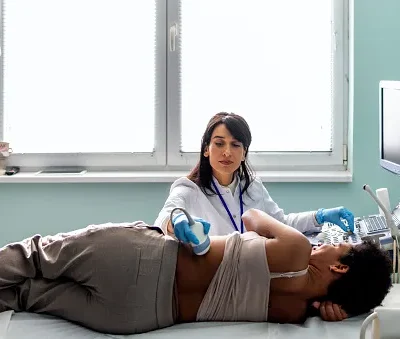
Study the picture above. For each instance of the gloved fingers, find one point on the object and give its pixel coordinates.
(349, 217)
(180, 233)
(190, 236)
(206, 226)
(350, 221)
(341, 225)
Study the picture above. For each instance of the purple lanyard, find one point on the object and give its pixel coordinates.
(227, 209)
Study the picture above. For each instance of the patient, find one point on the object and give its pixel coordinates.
(130, 278)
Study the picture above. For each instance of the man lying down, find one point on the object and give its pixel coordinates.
(130, 278)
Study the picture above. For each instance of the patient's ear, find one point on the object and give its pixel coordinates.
(340, 268)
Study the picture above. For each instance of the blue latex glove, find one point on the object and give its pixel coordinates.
(335, 216)
(182, 229)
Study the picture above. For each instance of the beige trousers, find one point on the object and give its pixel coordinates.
(112, 278)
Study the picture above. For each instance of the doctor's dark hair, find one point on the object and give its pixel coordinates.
(240, 130)
(366, 283)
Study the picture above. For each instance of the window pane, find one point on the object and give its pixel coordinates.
(270, 61)
(79, 75)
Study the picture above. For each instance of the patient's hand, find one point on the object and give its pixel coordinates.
(329, 311)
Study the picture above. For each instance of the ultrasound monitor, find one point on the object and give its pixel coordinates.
(389, 125)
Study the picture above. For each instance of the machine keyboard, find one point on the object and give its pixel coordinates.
(375, 223)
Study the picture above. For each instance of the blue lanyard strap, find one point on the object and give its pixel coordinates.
(227, 209)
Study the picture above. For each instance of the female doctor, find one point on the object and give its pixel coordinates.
(222, 186)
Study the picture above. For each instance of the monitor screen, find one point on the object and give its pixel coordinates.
(389, 111)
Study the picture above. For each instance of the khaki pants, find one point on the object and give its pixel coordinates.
(113, 278)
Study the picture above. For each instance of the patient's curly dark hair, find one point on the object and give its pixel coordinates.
(367, 281)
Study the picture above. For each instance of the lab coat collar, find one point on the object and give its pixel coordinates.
(223, 189)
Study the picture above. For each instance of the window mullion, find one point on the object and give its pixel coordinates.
(160, 126)
(173, 33)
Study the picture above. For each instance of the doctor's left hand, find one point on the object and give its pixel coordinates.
(335, 216)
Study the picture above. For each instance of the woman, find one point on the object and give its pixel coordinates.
(222, 187)
(130, 278)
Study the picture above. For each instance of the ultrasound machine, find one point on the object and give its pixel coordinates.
(385, 318)
(371, 227)
(381, 228)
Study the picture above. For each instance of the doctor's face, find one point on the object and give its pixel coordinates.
(225, 154)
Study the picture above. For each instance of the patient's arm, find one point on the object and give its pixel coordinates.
(269, 227)
(289, 309)
(286, 309)
(287, 249)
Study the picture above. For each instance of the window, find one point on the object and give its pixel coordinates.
(128, 84)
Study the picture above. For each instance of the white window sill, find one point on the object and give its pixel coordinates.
(170, 176)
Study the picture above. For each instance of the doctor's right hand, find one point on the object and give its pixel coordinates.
(182, 229)
(335, 216)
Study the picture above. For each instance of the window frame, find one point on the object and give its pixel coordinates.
(167, 154)
(125, 161)
(336, 159)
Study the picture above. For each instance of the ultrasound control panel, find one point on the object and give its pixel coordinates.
(372, 227)
(332, 234)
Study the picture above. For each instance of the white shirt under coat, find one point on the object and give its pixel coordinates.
(185, 193)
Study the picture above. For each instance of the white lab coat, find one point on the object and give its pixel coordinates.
(185, 193)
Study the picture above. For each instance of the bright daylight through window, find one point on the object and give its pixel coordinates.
(132, 83)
